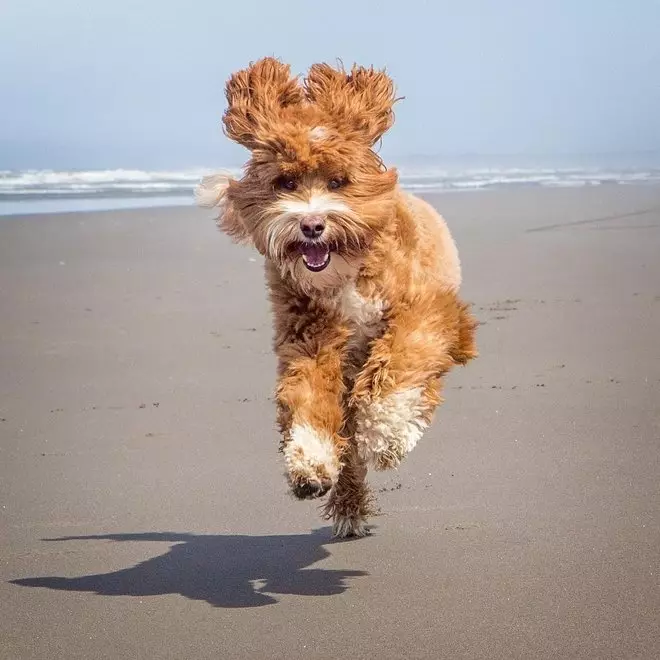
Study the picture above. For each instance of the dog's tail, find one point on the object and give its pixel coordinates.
(465, 348)
(210, 193)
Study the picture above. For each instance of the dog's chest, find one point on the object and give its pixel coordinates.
(364, 314)
(365, 318)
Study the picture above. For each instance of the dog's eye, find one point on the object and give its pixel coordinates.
(335, 183)
(286, 183)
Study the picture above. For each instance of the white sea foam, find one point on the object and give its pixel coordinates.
(432, 180)
(40, 184)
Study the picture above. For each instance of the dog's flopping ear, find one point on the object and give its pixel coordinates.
(361, 100)
(212, 193)
(255, 95)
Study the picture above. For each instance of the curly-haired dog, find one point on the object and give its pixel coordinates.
(363, 277)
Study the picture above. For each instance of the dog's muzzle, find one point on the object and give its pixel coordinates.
(315, 254)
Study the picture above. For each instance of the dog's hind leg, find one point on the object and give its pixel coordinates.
(350, 501)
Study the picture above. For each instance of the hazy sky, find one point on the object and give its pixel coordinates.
(139, 83)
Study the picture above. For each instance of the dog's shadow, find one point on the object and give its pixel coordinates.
(224, 571)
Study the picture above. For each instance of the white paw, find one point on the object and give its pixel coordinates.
(387, 429)
(311, 461)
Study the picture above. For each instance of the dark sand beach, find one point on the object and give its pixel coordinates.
(144, 512)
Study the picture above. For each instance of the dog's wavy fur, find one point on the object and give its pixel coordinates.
(363, 344)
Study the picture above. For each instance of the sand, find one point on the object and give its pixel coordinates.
(143, 509)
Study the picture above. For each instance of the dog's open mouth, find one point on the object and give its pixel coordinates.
(315, 256)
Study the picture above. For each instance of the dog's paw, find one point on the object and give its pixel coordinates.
(387, 458)
(389, 428)
(345, 527)
(309, 489)
(311, 461)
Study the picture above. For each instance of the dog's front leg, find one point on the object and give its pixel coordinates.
(398, 389)
(309, 397)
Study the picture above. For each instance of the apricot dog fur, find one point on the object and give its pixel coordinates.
(363, 277)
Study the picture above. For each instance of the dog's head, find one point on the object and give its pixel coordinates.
(314, 195)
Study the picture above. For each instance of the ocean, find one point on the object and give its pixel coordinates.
(47, 191)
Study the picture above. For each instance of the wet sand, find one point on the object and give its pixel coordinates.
(143, 509)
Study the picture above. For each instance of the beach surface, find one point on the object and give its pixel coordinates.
(143, 508)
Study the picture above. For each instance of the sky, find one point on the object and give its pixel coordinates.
(128, 83)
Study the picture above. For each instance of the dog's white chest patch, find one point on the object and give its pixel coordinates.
(365, 316)
(359, 311)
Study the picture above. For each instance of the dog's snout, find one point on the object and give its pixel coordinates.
(312, 227)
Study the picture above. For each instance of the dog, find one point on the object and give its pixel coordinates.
(363, 277)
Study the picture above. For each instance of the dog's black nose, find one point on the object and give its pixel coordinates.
(312, 227)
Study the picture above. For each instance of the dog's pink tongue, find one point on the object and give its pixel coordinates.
(315, 255)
